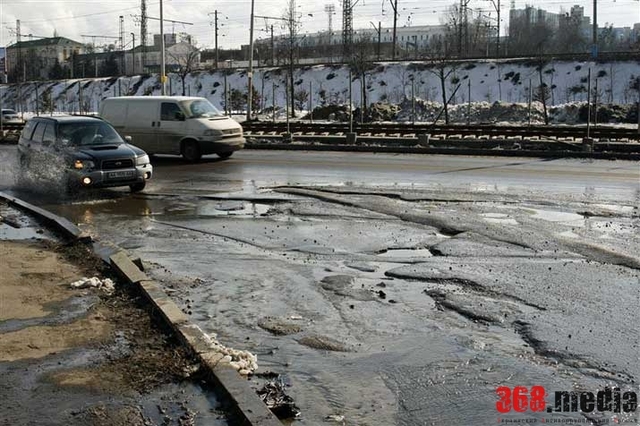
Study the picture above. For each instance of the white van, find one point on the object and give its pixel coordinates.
(179, 125)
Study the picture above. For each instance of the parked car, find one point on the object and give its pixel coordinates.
(10, 116)
(82, 152)
(178, 125)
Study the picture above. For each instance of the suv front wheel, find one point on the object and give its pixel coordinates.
(137, 187)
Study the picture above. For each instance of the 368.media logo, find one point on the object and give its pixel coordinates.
(521, 399)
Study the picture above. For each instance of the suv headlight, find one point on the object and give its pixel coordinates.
(84, 164)
(212, 132)
(142, 160)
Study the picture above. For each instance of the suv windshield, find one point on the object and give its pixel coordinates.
(88, 133)
(200, 109)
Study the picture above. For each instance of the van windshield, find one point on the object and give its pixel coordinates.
(90, 133)
(200, 108)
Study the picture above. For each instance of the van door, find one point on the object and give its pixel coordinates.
(142, 119)
(171, 128)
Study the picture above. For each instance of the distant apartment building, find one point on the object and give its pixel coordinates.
(139, 60)
(416, 37)
(34, 59)
(405, 36)
(560, 21)
(144, 59)
(532, 16)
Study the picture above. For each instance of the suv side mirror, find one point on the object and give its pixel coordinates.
(128, 139)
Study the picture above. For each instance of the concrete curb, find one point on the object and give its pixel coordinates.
(446, 151)
(68, 229)
(249, 408)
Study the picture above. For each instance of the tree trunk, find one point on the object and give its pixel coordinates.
(183, 77)
(363, 107)
(543, 97)
(443, 81)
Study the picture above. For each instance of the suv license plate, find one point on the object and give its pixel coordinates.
(118, 175)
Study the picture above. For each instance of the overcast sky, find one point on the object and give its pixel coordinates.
(73, 18)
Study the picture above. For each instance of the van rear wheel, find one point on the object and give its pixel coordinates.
(191, 151)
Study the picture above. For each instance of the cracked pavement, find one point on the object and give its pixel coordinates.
(390, 302)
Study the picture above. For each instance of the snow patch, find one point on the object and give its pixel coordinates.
(105, 285)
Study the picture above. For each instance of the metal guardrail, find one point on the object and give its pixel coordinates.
(12, 131)
(475, 131)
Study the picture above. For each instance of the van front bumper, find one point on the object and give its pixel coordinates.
(217, 146)
(111, 178)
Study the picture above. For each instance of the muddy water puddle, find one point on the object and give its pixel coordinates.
(314, 297)
(14, 225)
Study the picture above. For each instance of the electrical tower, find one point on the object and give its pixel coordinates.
(143, 31)
(347, 28)
(121, 32)
(330, 9)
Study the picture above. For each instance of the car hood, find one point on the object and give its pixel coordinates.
(105, 152)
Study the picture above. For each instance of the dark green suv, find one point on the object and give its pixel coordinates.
(82, 152)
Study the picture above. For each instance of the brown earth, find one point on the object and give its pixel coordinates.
(108, 349)
(32, 277)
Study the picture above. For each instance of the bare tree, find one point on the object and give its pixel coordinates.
(530, 33)
(185, 57)
(361, 63)
(542, 93)
(293, 26)
(442, 67)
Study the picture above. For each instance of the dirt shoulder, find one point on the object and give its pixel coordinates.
(64, 352)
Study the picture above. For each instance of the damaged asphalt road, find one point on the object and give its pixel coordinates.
(389, 302)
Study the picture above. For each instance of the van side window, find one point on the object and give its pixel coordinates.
(50, 133)
(39, 132)
(28, 129)
(168, 111)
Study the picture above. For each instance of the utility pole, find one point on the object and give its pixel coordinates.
(133, 54)
(292, 37)
(273, 48)
(122, 58)
(250, 74)
(19, 43)
(216, 36)
(378, 30)
(594, 51)
(496, 6)
(394, 5)
(163, 78)
(466, 27)
(498, 33)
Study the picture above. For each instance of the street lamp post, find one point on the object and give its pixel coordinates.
(250, 75)
(496, 5)
(163, 77)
